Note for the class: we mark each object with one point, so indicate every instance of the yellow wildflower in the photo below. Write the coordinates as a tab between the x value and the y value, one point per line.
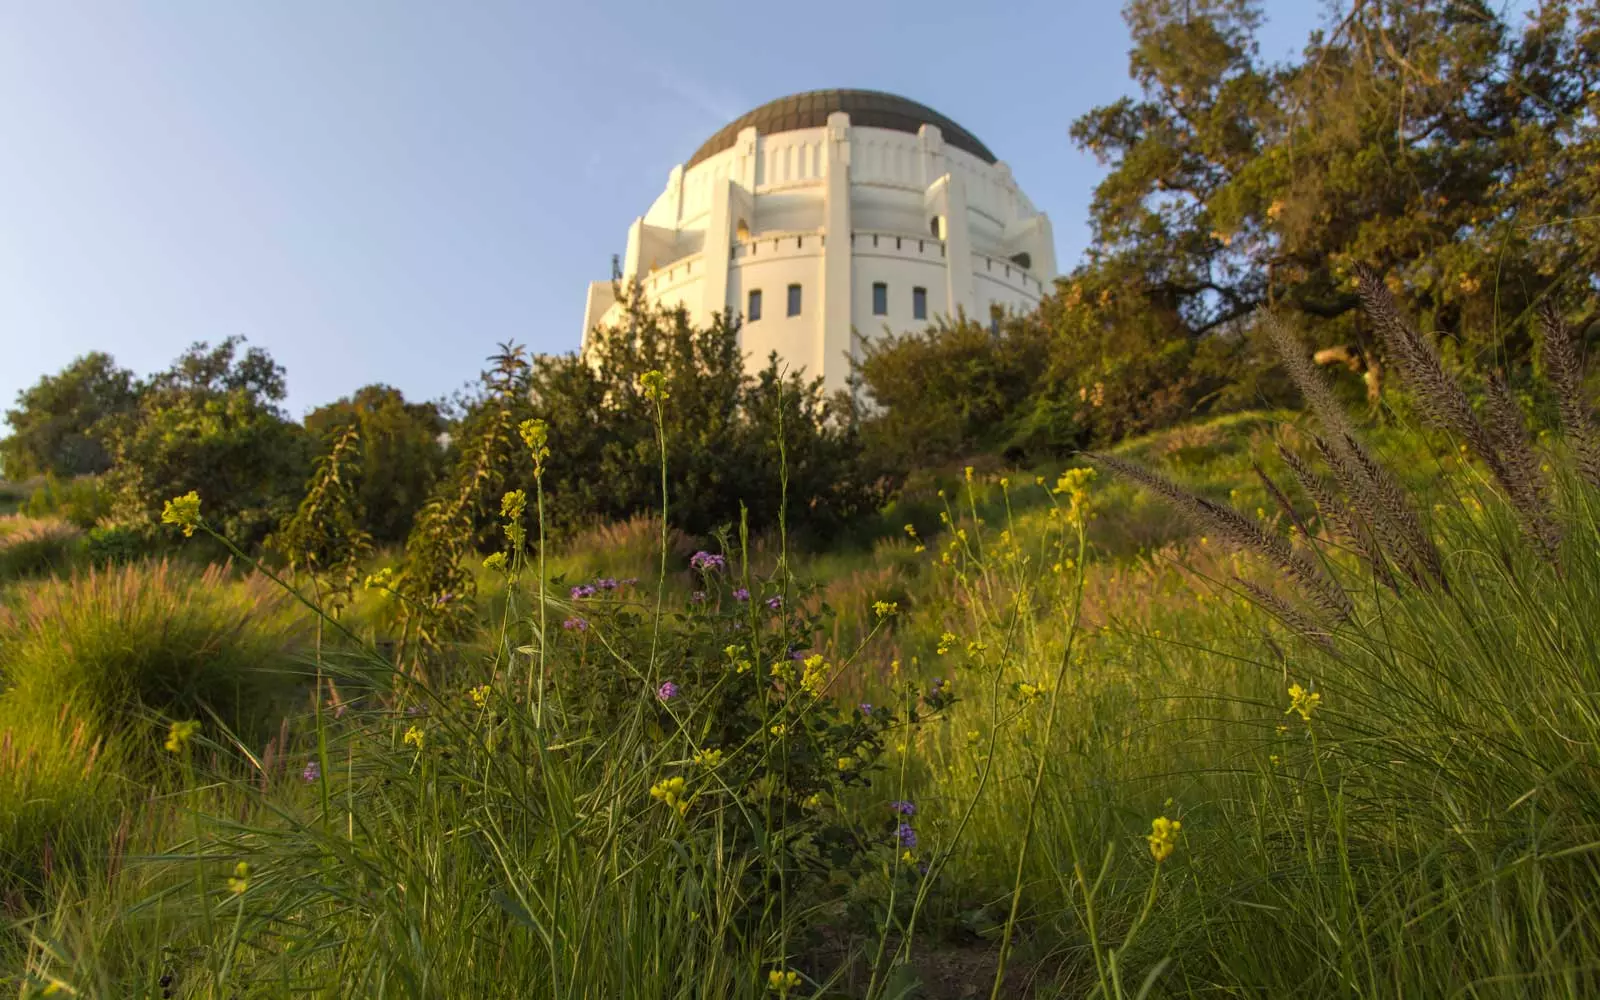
671	792
813	801
782	982
495	561
536	435
1029	692
778	730
241	878
846	763
815	677
654	386
513	504
183	511
414	736
479	695
708	757
1163	837
969	473
1302	701
946	641
383	579
886	609
179	734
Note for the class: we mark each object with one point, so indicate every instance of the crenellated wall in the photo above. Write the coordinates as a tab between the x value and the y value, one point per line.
769	211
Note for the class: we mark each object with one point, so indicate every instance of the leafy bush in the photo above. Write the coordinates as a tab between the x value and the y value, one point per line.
84	500
400	456
211	422
120	646
720	428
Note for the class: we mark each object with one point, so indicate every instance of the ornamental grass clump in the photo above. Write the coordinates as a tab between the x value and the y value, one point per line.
126	647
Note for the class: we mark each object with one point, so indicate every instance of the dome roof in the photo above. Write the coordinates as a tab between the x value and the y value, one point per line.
870	108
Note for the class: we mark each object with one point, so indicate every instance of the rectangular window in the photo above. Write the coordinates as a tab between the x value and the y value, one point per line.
754	312
994	320
880	299
919	303
794	300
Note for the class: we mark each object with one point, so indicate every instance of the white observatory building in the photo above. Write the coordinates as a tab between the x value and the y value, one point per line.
822	217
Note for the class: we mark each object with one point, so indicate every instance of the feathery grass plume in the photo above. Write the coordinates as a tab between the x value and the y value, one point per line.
1502	446
1234	528
1342	526
1288	614
1281	499
1383	514
1565	370
1527	485
1311	382
1441	397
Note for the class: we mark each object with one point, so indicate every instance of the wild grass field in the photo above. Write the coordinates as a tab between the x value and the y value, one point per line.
1047	738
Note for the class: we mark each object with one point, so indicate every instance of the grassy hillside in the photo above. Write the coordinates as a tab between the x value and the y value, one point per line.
1052	721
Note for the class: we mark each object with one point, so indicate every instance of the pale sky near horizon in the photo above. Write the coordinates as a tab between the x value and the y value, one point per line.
381	191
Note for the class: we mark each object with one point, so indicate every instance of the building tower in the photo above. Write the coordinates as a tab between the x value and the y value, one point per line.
826	216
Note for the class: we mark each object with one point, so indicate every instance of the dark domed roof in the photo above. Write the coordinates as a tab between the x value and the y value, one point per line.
871	108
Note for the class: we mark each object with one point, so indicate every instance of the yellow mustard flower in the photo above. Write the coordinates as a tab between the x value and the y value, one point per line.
184	512
495	561
479	695
654	386
846	763
886	609
709	757
778	730
1163	837
536	435
671	792
513	504
415	737
815	677
946	641
1302	701
781	982
179	734
240	881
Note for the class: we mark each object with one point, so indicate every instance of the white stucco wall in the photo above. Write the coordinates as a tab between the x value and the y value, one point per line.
758	215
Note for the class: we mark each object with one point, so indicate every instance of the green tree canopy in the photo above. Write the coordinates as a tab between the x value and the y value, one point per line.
58	425
400	455
212	423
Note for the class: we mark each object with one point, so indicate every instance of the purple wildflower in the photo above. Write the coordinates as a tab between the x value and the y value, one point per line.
667	691
775	601
606	583
866	708
707	562
581	591
904	808
698	597
906	836
575	624
312	772
741	594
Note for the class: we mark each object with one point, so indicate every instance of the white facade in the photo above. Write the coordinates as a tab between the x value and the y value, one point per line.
835	211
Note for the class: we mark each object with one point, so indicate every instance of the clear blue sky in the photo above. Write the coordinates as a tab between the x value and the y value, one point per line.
380	191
